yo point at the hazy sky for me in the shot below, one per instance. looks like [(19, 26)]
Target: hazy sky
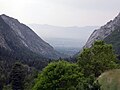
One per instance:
[(61, 12)]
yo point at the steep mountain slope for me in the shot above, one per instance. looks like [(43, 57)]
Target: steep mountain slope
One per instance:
[(114, 39), (17, 37), (109, 33)]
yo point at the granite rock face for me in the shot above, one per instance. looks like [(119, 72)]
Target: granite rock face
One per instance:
[(103, 32), (15, 35)]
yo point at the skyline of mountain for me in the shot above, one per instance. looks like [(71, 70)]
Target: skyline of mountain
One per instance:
[(59, 36), (104, 31), (67, 40), (110, 33), (18, 38)]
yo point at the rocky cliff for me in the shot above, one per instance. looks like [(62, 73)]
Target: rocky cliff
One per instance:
[(15, 36), (104, 32)]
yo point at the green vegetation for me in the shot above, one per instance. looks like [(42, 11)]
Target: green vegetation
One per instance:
[(60, 75), (114, 39), (17, 77), (92, 62), (63, 75), (21, 76), (97, 59)]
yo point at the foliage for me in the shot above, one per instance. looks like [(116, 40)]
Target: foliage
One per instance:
[(97, 59), (114, 39), (8, 59), (2, 77), (60, 76), (31, 74), (17, 77)]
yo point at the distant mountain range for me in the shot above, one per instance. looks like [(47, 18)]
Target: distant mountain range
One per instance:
[(110, 33), (19, 38), (68, 40)]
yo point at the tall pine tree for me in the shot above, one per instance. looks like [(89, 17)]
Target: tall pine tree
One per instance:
[(17, 77)]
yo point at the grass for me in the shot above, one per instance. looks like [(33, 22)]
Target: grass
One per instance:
[(110, 80)]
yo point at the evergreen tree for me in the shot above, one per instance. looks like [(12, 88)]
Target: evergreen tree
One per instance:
[(97, 59), (17, 77), (2, 76)]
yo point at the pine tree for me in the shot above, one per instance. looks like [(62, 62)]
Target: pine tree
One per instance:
[(17, 77)]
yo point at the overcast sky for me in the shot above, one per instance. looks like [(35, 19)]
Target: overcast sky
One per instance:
[(61, 12)]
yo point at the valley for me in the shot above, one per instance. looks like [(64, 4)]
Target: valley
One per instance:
[(25, 55), (67, 40), (59, 44)]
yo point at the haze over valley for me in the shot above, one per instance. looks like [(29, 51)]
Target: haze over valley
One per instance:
[(68, 40)]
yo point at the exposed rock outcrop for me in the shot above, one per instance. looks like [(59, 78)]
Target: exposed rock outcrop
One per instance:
[(104, 31), (17, 36)]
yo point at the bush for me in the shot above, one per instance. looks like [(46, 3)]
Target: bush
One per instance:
[(60, 75)]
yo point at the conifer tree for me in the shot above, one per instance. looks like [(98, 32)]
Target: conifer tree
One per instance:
[(17, 77)]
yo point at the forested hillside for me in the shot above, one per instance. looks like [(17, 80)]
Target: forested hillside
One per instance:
[(60, 75)]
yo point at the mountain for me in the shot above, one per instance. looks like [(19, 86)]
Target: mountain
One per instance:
[(68, 40), (110, 33), (19, 38)]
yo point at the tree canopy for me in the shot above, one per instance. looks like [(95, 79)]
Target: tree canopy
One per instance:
[(97, 59), (60, 75), (17, 77)]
